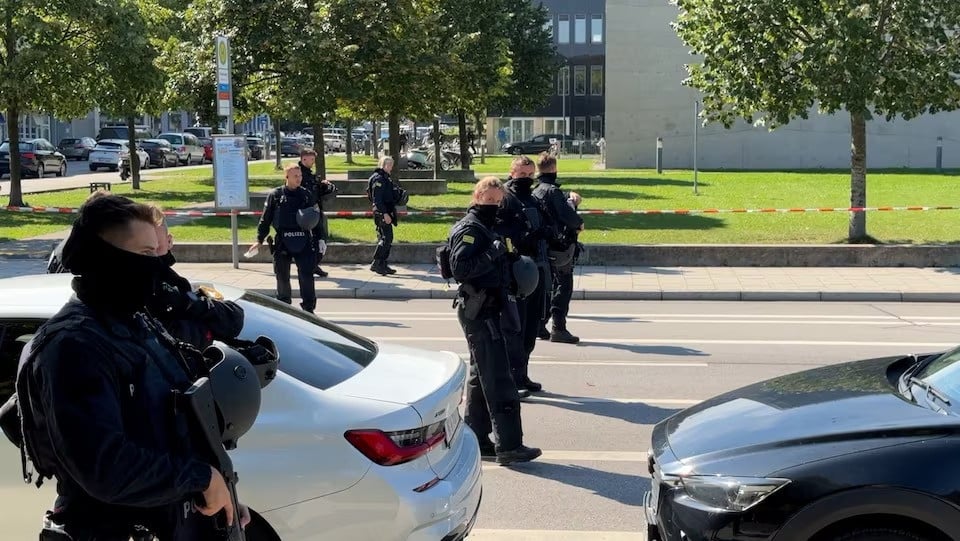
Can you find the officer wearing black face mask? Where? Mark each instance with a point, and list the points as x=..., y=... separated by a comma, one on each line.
x=95, y=394
x=479, y=262
x=197, y=317
x=522, y=220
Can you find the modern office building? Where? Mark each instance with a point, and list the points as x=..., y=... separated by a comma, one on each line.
x=646, y=100
x=576, y=105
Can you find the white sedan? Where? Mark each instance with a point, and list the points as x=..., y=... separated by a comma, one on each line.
x=110, y=153
x=355, y=440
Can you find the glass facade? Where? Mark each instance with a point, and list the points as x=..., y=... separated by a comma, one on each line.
x=580, y=29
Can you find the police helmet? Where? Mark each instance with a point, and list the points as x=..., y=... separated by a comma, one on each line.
x=402, y=198
x=308, y=218
x=525, y=275
x=236, y=391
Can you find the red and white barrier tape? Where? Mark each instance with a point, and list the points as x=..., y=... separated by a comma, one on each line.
x=369, y=214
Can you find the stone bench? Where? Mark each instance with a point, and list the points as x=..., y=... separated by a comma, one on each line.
x=457, y=175
x=96, y=186
x=413, y=186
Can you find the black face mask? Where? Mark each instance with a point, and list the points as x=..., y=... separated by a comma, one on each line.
x=110, y=278
x=487, y=214
x=523, y=184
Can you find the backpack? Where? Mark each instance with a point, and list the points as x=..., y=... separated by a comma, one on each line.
x=443, y=252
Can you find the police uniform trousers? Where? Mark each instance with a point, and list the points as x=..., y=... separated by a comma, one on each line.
x=534, y=310
x=177, y=522
x=306, y=261
x=511, y=323
x=561, y=265
x=384, y=238
x=493, y=404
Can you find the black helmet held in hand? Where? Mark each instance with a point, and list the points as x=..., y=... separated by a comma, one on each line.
x=526, y=276
x=308, y=218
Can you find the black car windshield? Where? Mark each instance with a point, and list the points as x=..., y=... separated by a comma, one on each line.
x=943, y=373
x=312, y=350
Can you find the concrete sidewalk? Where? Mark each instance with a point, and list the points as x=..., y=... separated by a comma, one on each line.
x=869, y=284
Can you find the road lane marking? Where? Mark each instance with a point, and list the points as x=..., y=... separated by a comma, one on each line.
x=667, y=321
x=638, y=364
x=673, y=341
x=534, y=399
x=553, y=535
x=430, y=316
x=578, y=456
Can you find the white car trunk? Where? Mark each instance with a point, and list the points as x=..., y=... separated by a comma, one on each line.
x=430, y=382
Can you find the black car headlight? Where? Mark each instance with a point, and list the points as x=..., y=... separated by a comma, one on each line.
x=729, y=494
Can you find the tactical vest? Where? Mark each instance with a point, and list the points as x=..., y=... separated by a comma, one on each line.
x=286, y=206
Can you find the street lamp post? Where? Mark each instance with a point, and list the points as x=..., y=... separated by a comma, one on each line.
x=659, y=155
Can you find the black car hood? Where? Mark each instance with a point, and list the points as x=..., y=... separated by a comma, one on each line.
x=801, y=417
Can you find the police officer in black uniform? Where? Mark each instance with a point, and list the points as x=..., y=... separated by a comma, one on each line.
x=522, y=220
x=95, y=393
x=322, y=190
x=294, y=243
x=383, y=195
x=480, y=263
x=562, y=247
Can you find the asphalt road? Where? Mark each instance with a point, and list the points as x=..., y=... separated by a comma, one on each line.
x=638, y=363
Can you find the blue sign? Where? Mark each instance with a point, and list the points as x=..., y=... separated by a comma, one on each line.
x=223, y=87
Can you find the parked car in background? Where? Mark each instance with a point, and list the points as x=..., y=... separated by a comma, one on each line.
x=861, y=451
x=37, y=158
x=161, y=152
x=120, y=131
x=335, y=143
x=355, y=440
x=78, y=148
x=257, y=148
x=186, y=145
x=207, y=144
x=110, y=154
x=536, y=145
x=291, y=146
x=200, y=132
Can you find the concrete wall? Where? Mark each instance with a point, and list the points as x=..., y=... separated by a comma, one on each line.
x=645, y=99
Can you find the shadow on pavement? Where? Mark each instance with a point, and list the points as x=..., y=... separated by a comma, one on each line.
x=371, y=324
x=636, y=413
x=645, y=349
x=619, y=487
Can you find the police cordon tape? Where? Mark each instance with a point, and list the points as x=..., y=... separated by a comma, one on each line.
x=597, y=212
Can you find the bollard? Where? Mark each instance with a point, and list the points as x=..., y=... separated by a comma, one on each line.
x=659, y=155
x=939, y=154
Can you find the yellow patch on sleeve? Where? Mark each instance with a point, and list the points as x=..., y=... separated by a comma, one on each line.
x=377, y=184
x=468, y=239
x=509, y=245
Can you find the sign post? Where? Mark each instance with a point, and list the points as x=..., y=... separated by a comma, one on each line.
x=231, y=183
x=224, y=82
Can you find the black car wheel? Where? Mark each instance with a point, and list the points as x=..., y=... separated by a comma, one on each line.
x=516, y=151
x=880, y=534
x=41, y=171
x=62, y=172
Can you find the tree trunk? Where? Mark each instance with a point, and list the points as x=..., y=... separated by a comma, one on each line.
x=13, y=135
x=134, y=157
x=436, y=145
x=464, y=140
x=276, y=135
x=375, y=136
x=482, y=136
x=394, y=129
x=858, y=176
x=349, y=141
x=318, y=140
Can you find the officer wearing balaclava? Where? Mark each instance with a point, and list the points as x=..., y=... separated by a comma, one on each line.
x=521, y=219
x=95, y=394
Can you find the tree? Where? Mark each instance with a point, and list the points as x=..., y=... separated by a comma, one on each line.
x=533, y=56
x=128, y=80
x=45, y=61
x=774, y=60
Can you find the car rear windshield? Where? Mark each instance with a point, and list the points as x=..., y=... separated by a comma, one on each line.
x=69, y=141
x=109, y=146
x=312, y=350
x=175, y=139
x=24, y=147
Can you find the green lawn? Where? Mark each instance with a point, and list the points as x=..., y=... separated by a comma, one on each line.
x=633, y=189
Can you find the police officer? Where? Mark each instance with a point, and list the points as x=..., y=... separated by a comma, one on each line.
x=115, y=471
x=197, y=317
x=562, y=247
x=522, y=220
x=282, y=210
x=479, y=262
x=322, y=191
x=55, y=262
x=383, y=195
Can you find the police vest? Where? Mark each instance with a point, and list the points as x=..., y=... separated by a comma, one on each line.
x=287, y=204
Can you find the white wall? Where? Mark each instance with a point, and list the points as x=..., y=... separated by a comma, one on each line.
x=645, y=99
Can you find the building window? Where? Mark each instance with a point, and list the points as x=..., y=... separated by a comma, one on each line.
x=34, y=126
x=596, y=28
x=563, y=29
x=580, y=80
x=563, y=81
x=579, y=127
x=596, y=80
x=548, y=26
x=596, y=127
x=580, y=29
x=555, y=125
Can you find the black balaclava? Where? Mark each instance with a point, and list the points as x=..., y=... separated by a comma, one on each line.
x=487, y=214
x=109, y=278
x=549, y=178
x=523, y=186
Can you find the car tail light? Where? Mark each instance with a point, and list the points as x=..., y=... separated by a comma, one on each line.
x=183, y=149
x=393, y=448
x=28, y=155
